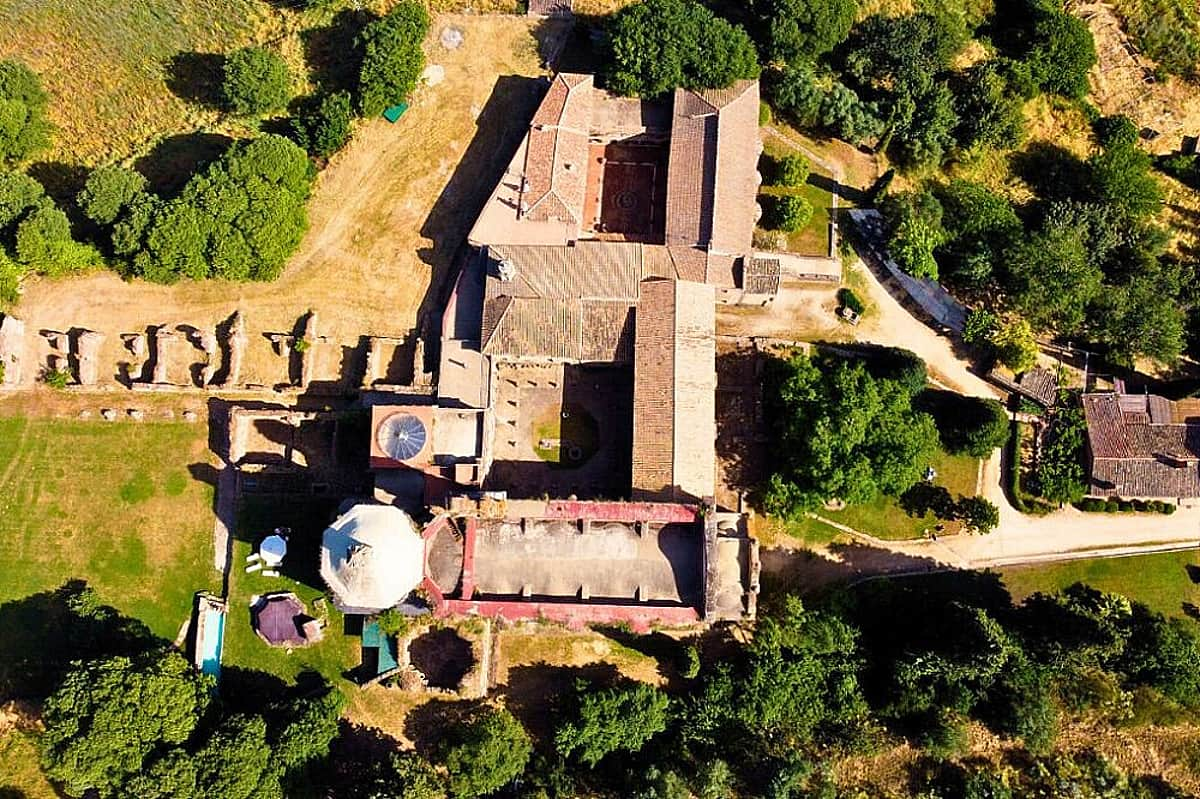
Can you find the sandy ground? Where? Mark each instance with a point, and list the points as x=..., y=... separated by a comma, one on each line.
x=387, y=216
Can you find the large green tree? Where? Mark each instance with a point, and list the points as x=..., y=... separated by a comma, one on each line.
x=915, y=221
x=799, y=30
x=658, y=45
x=109, y=715
x=24, y=129
x=1052, y=279
x=393, y=57
x=610, y=719
x=485, y=752
x=108, y=191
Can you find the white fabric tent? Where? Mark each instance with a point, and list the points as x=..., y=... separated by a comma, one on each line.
x=372, y=557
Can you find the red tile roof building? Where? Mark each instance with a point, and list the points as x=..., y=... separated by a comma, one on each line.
x=1143, y=446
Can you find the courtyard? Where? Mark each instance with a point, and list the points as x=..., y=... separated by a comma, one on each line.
x=562, y=430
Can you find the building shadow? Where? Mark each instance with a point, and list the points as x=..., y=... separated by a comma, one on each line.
x=499, y=128
x=196, y=77
x=174, y=160
x=790, y=570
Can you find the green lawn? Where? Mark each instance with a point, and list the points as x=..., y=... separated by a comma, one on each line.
x=1160, y=581
x=884, y=518
x=114, y=504
x=257, y=517
x=813, y=238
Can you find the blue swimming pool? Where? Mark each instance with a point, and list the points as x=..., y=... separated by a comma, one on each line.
x=213, y=634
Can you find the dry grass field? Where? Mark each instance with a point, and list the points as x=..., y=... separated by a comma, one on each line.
x=387, y=216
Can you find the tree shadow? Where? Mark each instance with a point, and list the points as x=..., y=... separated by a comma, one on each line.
x=42, y=633
x=428, y=725
x=62, y=182
x=925, y=498
x=1053, y=172
x=196, y=77
x=332, y=53
x=535, y=693
x=174, y=160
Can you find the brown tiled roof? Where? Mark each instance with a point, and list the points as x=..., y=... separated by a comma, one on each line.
x=712, y=169
x=761, y=276
x=1040, y=384
x=565, y=302
x=674, y=393
x=1137, y=451
x=693, y=264
x=556, y=158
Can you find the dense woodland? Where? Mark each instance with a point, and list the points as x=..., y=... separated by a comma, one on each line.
x=853, y=674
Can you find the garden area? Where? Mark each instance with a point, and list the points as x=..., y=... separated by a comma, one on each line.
x=795, y=195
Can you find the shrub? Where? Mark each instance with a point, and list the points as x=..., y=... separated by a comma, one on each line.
x=979, y=326
x=764, y=114
x=323, y=127
x=1015, y=345
x=57, y=378
x=848, y=299
x=24, y=128
x=392, y=57
x=792, y=170
x=108, y=191
x=789, y=213
x=1112, y=505
x=256, y=81
x=1091, y=505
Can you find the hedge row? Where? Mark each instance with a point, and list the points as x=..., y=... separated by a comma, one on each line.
x=1114, y=505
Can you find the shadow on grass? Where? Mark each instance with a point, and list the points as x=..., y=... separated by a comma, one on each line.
x=196, y=77
x=332, y=52
x=168, y=167
x=42, y=633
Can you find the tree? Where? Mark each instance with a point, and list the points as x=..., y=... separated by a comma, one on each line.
x=925, y=122
x=801, y=30
x=392, y=57
x=235, y=761
x=109, y=190
x=611, y=719
x=44, y=243
x=24, y=129
x=915, y=219
x=1060, y=474
x=485, y=753
x=978, y=513
x=1016, y=346
x=256, y=81
x=840, y=432
x=1164, y=654
x=18, y=193
x=990, y=114
x=792, y=171
x=972, y=426
x=796, y=91
x=1052, y=279
x=980, y=325
x=789, y=212
x=903, y=53
x=109, y=715
x=846, y=116
x=1060, y=50
x=323, y=127
x=1121, y=178
x=979, y=226
x=657, y=45
x=309, y=726
x=11, y=276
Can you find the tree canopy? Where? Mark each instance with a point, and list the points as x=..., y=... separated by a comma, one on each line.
x=801, y=30
x=485, y=753
x=609, y=719
x=658, y=45
x=393, y=57
x=256, y=81
x=24, y=129
x=840, y=432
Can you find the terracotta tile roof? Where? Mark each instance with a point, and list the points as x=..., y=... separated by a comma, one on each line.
x=1136, y=449
x=712, y=170
x=556, y=157
x=574, y=303
x=693, y=264
x=674, y=392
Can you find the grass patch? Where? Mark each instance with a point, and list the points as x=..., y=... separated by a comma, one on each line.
x=884, y=518
x=813, y=238
x=1163, y=581
x=566, y=436
x=20, y=775
x=60, y=518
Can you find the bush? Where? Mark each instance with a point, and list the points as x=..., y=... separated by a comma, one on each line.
x=108, y=191
x=973, y=426
x=764, y=114
x=792, y=171
x=256, y=81
x=789, y=213
x=392, y=57
x=1091, y=505
x=323, y=127
x=1112, y=505
x=1016, y=346
x=57, y=378
x=24, y=128
x=848, y=299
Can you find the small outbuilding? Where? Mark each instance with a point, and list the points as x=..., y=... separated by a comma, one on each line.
x=372, y=558
x=281, y=619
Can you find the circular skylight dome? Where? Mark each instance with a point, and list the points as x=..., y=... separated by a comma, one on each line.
x=402, y=436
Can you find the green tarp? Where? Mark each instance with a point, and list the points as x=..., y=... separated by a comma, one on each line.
x=395, y=112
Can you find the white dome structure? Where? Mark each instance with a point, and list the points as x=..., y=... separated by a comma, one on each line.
x=372, y=557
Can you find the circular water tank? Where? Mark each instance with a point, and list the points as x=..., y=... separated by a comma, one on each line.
x=401, y=436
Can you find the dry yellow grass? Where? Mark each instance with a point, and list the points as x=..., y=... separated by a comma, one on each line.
x=387, y=215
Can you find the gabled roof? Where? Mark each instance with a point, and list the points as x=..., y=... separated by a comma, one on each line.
x=674, y=392
x=556, y=157
x=712, y=176
x=1142, y=446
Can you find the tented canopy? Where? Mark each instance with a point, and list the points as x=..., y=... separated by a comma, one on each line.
x=272, y=549
x=372, y=557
